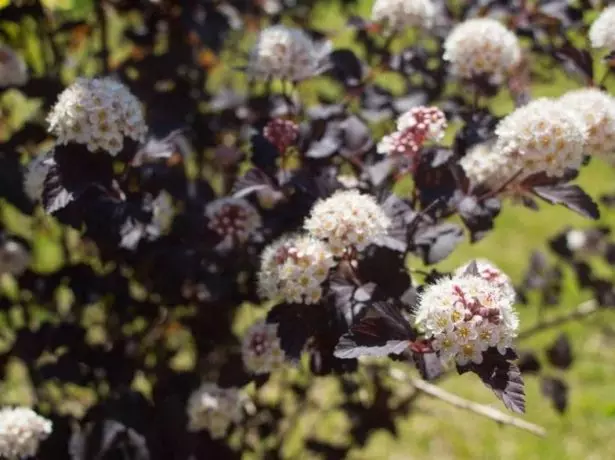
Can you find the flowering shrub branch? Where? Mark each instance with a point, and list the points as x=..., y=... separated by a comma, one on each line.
x=224, y=246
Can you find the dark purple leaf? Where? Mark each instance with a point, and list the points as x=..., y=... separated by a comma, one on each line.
x=557, y=391
x=436, y=243
x=296, y=324
x=560, y=352
x=576, y=61
x=571, y=196
x=380, y=331
x=502, y=377
x=528, y=363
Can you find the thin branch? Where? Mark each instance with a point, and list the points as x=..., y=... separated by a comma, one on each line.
x=583, y=310
x=104, y=51
x=481, y=409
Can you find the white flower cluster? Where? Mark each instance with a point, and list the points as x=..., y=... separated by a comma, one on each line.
x=294, y=269
x=14, y=258
x=484, y=165
x=234, y=219
x=542, y=136
x=414, y=128
x=347, y=220
x=260, y=349
x=602, y=30
x=401, y=14
x=13, y=70
x=482, y=46
x=596, y=110
x=214, y=409
x=286, y=53
x=35, y=173
x=21, y=432
x=466, y=315
x=99, y=113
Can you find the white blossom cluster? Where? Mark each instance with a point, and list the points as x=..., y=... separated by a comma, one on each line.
x=347, y=220
x=260, y=348
x=466, y=315
x=99, y=113
x=21, y=432
x=234, y=219
x=484, y=165
x=286, y=53
x=13, y=70
x=14, y=258
x=414, y=128
x=35, y=173
x=542, y=137
x=401, y=14
x=596, y=110
x=294, y=268
x=214, y=409
x=482, y=46
x=602, y=30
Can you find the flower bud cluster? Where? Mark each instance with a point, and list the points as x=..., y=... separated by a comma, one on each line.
x=414, y=128
x=233, y=219
x=281, y=133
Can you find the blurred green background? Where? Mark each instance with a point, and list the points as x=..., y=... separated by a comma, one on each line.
x=435, y=429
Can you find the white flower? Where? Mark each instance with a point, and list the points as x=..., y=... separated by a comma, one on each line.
x=542, y=136
x=481, y=46
x=13, y=71
x=99, y=113
x=466, y=315
x=260, y=349
x=214, y=409
x=234, y=219
x=576, y=240
x=347, y=220
x=483, y=164
x=469, y=352
x=286, y=53
x=602, y=30
x=494, y=275
x=596, y=110
x=21, y=432
x=14, y=258
x=294, y=269
x=35, y=174
x=402, y=14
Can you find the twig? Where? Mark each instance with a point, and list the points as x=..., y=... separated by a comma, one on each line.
x=104, y=51
x=585, y=309
x=477, y=408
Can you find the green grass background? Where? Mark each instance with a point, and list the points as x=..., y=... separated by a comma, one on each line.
x=436, y=430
